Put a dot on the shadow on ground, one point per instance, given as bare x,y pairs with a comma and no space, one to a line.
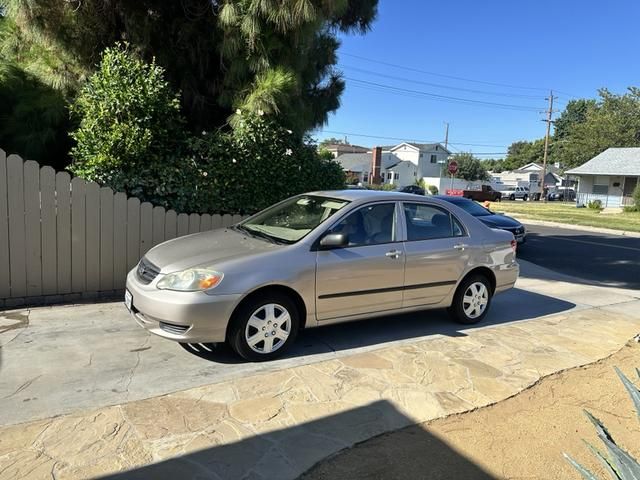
288,453
512,306
599,260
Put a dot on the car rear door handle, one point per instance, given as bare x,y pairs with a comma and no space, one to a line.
460,246
393,254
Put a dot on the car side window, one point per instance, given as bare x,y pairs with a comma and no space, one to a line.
426,222
369,225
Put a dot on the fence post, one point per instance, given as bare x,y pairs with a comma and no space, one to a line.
15,208
5,279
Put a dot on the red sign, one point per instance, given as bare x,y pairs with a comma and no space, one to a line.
454,192
453,167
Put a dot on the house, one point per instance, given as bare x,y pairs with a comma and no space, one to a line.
609,177
338,149
529,175
399,165
356,165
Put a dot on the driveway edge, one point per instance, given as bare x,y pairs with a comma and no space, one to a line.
544,223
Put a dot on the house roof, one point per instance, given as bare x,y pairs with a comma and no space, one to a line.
344,146
613,161
423,146
355,162
389,167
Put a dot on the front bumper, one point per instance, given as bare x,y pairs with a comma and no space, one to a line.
186,317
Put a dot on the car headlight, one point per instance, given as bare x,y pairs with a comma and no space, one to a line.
191,280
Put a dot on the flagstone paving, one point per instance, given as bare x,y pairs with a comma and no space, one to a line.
278,424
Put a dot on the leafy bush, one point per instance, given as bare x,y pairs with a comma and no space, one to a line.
636,197
631,208
132,138
387,187
256,165
620,465
433,190
595,204
131,135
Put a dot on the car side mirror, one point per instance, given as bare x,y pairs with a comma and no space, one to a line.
334,240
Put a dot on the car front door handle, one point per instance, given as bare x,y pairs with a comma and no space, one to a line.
460,246
393,254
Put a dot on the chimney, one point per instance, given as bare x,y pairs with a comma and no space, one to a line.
376,165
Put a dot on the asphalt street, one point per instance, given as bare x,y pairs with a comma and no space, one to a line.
595,258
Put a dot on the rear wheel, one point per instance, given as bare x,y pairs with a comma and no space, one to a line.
512,197
265,327
472,300
525,198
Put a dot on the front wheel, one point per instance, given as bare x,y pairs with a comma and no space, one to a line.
472,300
512,197
264,328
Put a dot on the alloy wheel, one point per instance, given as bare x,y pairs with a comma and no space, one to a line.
268,328
475,300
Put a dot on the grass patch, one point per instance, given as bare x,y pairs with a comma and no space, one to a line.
568,213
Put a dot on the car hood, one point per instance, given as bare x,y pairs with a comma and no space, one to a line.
206,249
499,221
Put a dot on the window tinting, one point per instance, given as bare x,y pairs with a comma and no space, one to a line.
369,225
425,222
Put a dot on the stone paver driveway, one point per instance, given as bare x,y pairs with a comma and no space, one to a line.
277,420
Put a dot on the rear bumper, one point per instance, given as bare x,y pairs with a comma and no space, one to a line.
506,276
186,317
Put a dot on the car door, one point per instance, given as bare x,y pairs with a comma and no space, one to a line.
366,275
436,250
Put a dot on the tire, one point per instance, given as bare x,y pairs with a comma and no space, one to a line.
478,288
525,198
512,197
498,199
274,313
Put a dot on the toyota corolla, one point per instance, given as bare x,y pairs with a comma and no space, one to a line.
317,259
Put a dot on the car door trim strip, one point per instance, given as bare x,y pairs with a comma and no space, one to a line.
386,290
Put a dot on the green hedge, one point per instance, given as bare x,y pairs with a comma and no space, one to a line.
132,137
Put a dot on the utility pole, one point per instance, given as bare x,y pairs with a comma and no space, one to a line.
446,135
546,143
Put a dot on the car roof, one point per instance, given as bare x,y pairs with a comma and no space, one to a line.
452,198
371,195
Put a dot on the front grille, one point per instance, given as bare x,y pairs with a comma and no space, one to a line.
147,271
174,329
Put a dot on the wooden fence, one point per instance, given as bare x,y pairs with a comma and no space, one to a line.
64,239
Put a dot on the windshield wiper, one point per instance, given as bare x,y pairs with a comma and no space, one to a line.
266,236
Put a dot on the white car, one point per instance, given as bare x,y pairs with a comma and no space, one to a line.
513,193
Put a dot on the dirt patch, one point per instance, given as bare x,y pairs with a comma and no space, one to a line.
520,438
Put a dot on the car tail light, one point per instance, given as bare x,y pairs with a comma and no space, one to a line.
514,245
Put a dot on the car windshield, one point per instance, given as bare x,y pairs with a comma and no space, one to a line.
472,208
293,219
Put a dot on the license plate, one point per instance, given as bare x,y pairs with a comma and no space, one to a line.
128,299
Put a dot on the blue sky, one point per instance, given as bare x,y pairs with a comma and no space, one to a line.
574,47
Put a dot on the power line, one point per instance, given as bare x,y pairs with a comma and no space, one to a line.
439,85
401,139
438,74
448,98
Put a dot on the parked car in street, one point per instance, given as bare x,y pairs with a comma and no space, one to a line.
489,218
317,259
415,189
486,192
516,193
562,194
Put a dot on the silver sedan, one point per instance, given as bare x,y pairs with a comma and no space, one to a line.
317,259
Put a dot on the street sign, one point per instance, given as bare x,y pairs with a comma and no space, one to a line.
453,167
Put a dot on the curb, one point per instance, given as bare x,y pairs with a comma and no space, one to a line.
622,233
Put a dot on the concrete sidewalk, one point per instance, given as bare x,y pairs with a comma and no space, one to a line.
278,422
